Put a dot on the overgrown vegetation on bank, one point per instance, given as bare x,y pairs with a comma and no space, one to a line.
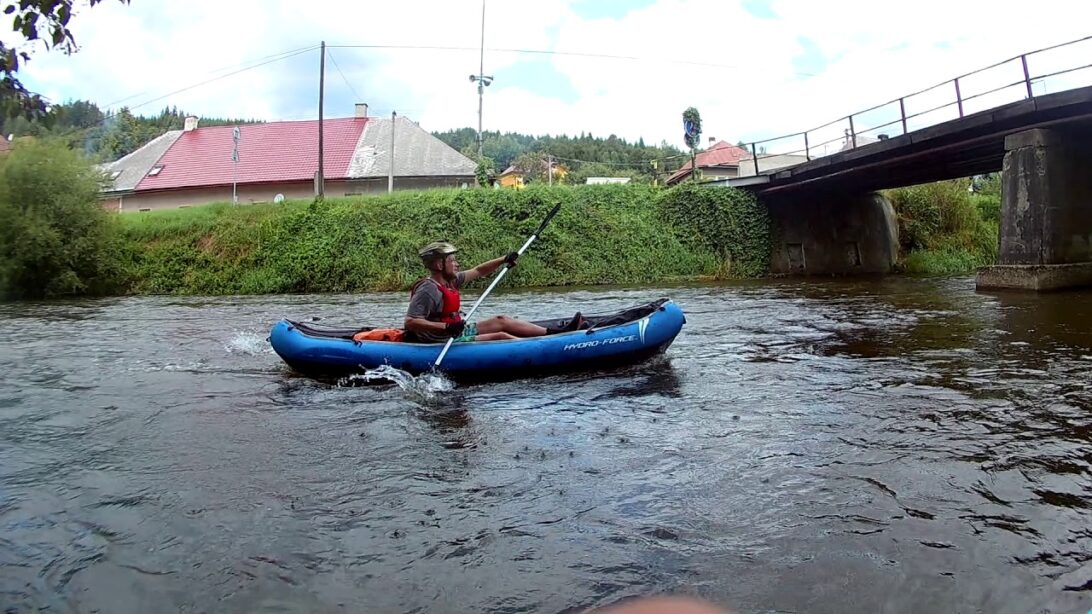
603,235
56,241
946,229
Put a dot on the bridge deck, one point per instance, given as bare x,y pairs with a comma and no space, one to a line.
967,146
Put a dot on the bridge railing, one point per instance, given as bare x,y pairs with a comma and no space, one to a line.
1051,69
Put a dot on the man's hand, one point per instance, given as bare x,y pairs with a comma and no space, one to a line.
511,258
455,329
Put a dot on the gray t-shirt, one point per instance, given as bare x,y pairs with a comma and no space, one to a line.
427,302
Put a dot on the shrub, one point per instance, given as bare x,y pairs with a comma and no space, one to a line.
943,228
989,207
729,222
55,240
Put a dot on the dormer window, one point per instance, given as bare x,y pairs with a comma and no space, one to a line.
158,168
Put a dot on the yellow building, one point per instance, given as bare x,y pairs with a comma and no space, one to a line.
510,178
513,178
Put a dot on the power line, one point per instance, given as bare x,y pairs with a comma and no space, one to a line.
213,72
577,54
343,78
278,58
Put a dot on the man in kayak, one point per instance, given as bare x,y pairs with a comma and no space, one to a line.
434,311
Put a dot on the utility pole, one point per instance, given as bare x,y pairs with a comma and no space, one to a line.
320,177
236,134
482,80
390,168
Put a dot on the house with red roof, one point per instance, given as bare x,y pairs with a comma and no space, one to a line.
196,165
720,161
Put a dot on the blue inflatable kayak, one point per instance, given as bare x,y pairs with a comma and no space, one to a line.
627,336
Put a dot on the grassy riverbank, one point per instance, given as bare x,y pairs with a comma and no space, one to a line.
604,235
944,229
57,241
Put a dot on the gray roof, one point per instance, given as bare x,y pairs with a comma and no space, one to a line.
416,152
136,165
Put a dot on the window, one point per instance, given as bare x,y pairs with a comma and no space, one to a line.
853,253
158,168
795,253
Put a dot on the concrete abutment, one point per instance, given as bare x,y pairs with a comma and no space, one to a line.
834,234
1046,213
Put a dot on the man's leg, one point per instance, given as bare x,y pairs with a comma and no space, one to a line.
495,337
512,326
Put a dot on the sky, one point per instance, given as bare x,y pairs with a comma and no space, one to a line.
755,69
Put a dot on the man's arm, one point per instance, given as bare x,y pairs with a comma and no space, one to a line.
421,325
427,300
488,267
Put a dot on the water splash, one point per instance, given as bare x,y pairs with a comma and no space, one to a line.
248,343
425,387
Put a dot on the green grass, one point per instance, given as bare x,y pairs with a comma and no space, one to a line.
613,234
944,229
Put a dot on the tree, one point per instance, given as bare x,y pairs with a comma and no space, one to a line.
484,172
640,160
532,166
84,127
45,20
55,240
692,126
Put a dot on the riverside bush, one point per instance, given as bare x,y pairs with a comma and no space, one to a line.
55,239
604,234
944,229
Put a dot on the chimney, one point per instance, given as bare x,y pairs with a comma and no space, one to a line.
361,109
191,123
712,140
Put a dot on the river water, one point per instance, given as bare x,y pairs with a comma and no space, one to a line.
897,445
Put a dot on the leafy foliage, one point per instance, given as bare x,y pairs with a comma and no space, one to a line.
485,171
692,117
611,234
729,222
34,20
55,239
943,228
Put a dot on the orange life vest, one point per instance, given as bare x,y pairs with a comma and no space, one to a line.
380,334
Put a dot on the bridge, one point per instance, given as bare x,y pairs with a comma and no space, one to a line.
830,219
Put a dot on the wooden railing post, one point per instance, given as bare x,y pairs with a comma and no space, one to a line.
902,111
807,150
754,154
852,132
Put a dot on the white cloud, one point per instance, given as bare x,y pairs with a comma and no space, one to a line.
873,52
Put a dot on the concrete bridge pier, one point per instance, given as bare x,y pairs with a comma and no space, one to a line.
1046,212
832,233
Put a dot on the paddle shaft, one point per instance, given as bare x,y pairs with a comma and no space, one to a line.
496,280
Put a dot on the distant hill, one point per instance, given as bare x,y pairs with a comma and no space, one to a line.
104,137
583,156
